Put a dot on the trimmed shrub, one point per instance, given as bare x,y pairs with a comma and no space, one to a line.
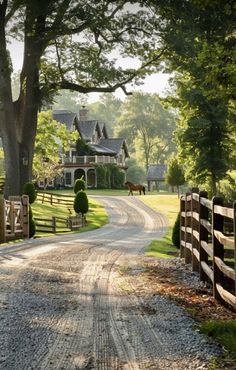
79,185
81,202
29,189
32,226
176,232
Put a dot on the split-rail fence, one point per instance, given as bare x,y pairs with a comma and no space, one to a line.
208,242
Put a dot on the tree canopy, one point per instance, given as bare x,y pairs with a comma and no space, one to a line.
199,37
147,127
67,45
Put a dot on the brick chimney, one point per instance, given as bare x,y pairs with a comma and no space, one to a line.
83,114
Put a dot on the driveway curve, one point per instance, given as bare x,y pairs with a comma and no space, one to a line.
66,303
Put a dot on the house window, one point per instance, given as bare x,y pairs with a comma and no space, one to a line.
68,178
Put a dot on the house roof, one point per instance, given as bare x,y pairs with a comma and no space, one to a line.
99,149
115,144
156,172
103,129
68,118
87,129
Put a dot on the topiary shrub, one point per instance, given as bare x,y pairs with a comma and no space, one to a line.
32,226
79,185
81,202
29,189
176,232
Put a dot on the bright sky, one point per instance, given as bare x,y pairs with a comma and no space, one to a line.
156,83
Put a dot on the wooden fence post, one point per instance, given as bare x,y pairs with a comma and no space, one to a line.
51,201
203,235
194,237
234,207
187,252
2,221
12,217
182,225
54,225
25,215
218,248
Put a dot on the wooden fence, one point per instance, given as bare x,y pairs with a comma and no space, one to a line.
208,242
14,219
55,199
59,224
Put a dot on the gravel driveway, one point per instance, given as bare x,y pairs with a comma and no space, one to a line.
65,302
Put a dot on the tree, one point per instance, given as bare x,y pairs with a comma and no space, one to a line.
67,45
107,109
135,173
68,100
52,140
81,204
199,37
147,127
174,174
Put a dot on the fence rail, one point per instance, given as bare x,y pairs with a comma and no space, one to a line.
208,242
56,225
14,219
55,199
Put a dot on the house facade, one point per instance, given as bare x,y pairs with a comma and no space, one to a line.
105,150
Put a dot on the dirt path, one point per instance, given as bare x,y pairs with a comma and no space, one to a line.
65,302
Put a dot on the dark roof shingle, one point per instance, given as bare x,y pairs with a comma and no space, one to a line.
115,144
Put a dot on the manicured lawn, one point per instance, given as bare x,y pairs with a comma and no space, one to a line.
96,216
167,204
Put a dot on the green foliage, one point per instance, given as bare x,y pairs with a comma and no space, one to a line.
29,189
52,139
176,232
109,176
81,202
135,173
199,39
174,175
82,148
79,185
224,332
32,226
2,183
147,128
107,109
67,100
226,187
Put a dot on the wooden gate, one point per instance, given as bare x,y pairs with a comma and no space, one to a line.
14,218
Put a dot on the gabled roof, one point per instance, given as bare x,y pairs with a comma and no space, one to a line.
156,172
99,149
103,129
88,128
115,144
68,118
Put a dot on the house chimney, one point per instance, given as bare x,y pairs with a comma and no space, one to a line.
83,114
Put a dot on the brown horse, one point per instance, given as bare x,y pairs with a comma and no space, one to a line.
132,187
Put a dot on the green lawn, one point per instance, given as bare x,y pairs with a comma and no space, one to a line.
96,216
224,331
167,204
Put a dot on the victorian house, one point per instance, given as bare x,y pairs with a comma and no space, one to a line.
104,149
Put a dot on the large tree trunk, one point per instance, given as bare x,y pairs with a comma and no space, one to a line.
19,121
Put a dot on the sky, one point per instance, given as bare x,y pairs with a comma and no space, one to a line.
155,83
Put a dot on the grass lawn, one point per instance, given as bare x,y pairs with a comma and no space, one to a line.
224,331
167,204
96,216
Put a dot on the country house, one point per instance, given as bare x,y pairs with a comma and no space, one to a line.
104,150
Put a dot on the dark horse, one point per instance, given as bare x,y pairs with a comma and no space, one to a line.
132,187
